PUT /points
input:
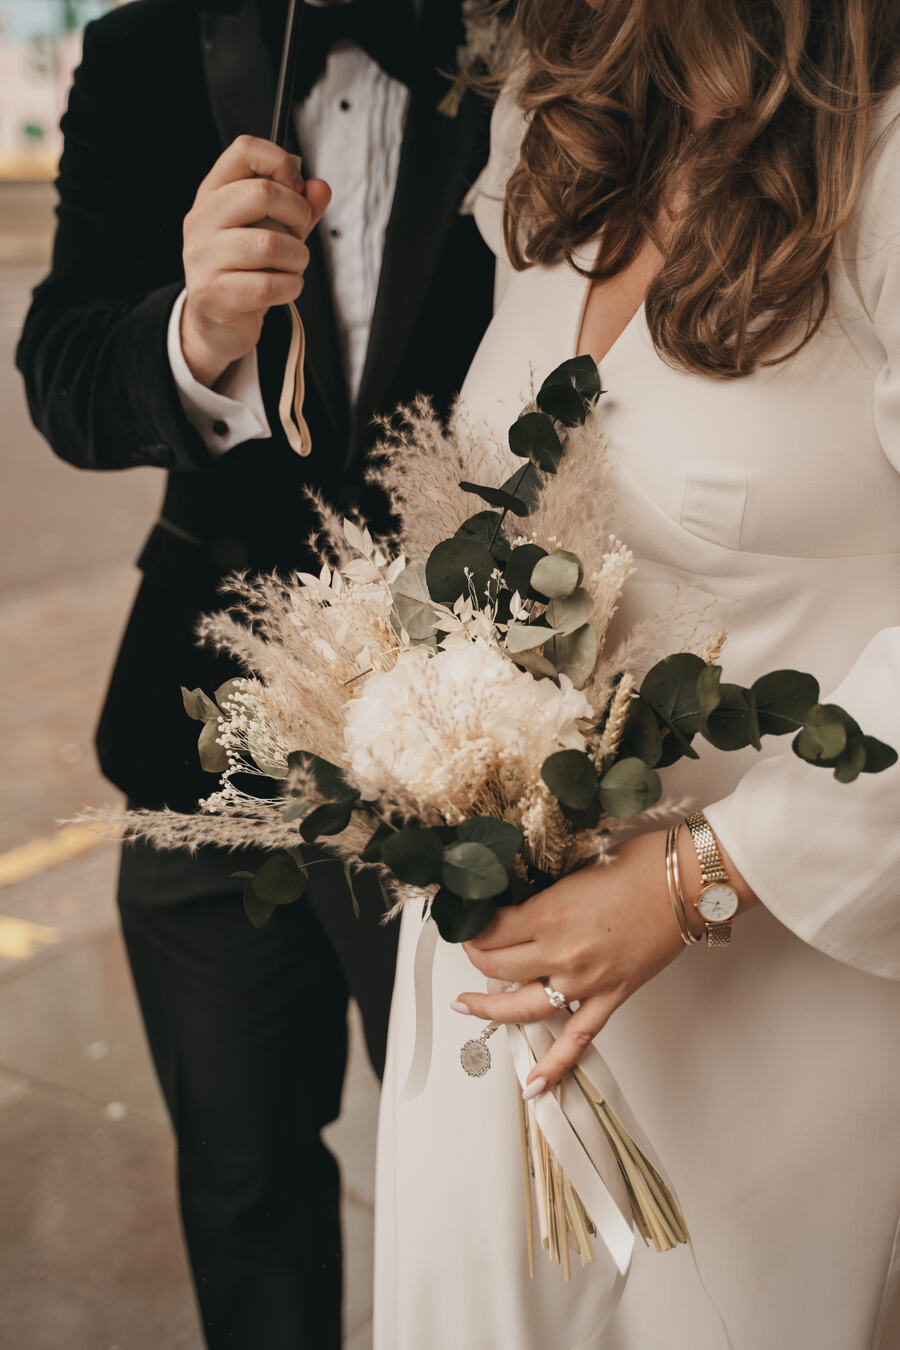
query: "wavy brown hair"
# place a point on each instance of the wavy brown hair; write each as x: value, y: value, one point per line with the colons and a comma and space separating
x: 770, y: 181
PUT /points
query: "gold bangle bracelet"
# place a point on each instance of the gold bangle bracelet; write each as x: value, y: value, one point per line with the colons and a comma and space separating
x: 673, y: 881
x: 686, y: 927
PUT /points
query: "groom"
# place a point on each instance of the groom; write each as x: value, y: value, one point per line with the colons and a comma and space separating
x: 128, y: 362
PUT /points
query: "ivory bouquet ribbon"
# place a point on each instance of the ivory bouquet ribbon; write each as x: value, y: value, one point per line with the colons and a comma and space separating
x: 569, y: 1125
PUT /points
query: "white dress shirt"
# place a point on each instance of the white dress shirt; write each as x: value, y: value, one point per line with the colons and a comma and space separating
x: 351, y: 130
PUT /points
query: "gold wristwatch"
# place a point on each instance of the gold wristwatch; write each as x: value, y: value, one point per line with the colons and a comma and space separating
x: 717, y: 902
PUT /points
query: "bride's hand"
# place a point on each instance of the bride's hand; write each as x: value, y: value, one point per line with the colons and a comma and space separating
x: 597, y: 936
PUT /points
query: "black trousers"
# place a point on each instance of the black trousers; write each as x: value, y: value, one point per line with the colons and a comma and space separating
x: 247, y: 1028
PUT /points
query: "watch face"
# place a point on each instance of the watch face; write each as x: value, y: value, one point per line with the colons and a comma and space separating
x: 718, y: 903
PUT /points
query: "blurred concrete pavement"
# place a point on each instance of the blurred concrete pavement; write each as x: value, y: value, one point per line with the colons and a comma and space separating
x: 90, y: 1245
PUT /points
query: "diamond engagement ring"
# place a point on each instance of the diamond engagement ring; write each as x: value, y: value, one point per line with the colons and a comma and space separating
x: 554, y: 997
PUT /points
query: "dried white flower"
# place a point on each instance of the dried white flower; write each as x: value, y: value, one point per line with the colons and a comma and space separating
x: 462, y: 713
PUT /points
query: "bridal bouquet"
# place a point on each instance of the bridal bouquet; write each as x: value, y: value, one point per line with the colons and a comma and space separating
x: 448, y: 708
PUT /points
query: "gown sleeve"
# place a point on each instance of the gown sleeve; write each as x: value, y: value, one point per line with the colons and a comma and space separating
x: 822, y: 856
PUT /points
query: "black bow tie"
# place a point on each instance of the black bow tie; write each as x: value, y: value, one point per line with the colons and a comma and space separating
x: 385, y: 31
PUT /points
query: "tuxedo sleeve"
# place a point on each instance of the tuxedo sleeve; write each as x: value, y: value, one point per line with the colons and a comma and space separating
x: 823, y: 856
x: 93, y: 349
x: 231, y: 413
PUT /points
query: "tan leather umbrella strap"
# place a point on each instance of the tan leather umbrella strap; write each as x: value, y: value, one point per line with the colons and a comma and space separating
x: 290, y: 405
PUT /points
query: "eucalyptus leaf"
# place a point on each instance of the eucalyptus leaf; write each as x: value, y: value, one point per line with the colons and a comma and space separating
x: 851, y: 762
x: 458, y: 920
x: 213, y: 757
x: 328, y: 778
x: 199, y: 706
x: 525, y: 484
x: 670, y: 687
x: 448, y: 565
x: 536, y: 664
x: 878, y: 755
x: 571, y: 777
x: 327, y: 819
x: 628, y: 788
x: 279, y: 881
x: 519, y: 567
x: 823, y: 735
x: 725, y: 711
x: 588, y: 819
x: 502, y: 838
x: 507, y: 501
x: 412, y: 602
x: 473, y: 871
x: 575, y: 654
x: 708, y: 696
x: 257, y: 911
x: 372, y: 851
x: 582, y: 372
x: 642, y: 736
x: 571, y: 611
x: 560, y: 397
x: 267, y: 766
x: 225, y: 691
x: 525, y: 637
x: 414, y: 855
x: 783, y: 698
x: 731, y: 725
x: 533, y: 436
x: 484, y: 526
x: 557, y: 575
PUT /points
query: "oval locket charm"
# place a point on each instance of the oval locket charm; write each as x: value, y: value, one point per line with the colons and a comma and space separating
x: 475, y: 1057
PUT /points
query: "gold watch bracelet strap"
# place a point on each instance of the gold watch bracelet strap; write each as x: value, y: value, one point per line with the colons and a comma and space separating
x: 712, y: 870
x: 711, y: 866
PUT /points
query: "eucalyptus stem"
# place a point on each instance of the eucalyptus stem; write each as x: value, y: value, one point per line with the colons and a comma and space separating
x: 516, y: 484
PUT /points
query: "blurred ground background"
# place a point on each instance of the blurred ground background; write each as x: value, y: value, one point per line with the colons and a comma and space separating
x: 91, y: 1255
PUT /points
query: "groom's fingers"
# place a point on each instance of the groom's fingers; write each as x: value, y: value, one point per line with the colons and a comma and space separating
x: 253, y: 157
x: 581, y: 1028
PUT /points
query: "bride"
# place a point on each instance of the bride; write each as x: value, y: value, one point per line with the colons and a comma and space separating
x: 704, y: 197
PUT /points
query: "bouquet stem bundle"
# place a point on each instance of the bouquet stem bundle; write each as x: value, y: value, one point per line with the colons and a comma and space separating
x: 563, y: 1223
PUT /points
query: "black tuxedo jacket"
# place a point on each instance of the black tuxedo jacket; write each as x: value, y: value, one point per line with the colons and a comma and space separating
x: 163, y: 87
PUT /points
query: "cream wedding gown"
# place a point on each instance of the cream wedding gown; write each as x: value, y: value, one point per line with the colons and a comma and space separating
x: 766, y: 1075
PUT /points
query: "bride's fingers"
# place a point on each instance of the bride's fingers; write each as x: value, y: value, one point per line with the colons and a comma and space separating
x: 511, y: 925
x: 528, y: 1004
x: 515, y: 965
x: 581, y: 1028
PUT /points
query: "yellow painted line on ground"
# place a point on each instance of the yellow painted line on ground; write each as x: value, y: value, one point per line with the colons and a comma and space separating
x: 69, y: 841
x: 20, y: 939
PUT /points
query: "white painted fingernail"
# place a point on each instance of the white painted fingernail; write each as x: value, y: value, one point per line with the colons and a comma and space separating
x: 461, y: 1008
x: 534, y: 1089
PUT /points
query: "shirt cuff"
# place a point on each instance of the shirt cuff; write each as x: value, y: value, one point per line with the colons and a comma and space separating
x: 231, y: 413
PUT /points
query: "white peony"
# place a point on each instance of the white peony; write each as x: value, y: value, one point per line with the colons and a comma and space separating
x: 439, y: 724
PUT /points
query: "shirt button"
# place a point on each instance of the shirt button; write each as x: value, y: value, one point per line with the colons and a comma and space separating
x: 344, y: 105
x: 334, y: 232
x: 219, y: 427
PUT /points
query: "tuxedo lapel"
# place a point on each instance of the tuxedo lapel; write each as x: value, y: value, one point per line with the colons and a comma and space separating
x: 238, y: 70
x: 241, y: 86
x: 435, y: 162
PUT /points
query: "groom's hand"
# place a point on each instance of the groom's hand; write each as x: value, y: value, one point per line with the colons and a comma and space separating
x: 244, y: 251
